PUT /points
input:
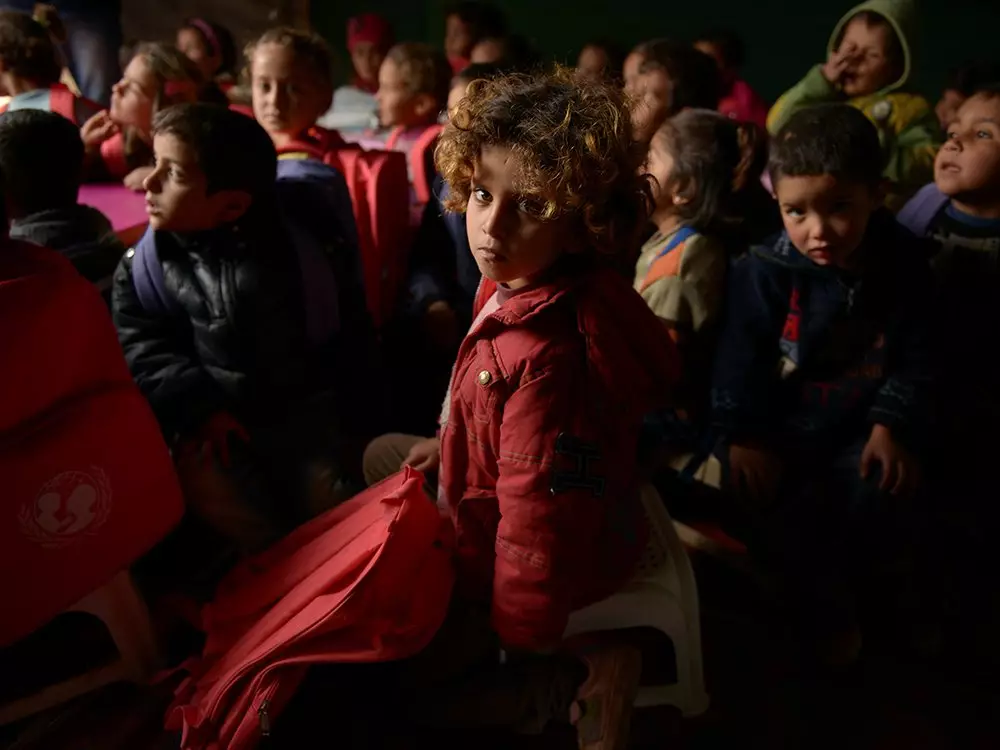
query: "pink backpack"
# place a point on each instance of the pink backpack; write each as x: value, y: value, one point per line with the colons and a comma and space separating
x: 368, y: 581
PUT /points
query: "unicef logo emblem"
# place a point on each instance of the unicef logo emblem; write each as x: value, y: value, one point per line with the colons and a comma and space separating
x: 68, y: 506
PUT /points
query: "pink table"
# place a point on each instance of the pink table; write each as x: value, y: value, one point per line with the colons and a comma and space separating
x: 125, y: 208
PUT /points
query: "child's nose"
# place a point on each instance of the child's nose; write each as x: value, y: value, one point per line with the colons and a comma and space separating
x: 152, y: 182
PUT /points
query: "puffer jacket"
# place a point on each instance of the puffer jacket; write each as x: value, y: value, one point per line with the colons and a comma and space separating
x: 538, y: 453
x: 237, y: 342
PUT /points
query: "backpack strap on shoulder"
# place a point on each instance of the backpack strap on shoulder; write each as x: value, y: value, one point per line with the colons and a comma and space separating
x: 147, y: 278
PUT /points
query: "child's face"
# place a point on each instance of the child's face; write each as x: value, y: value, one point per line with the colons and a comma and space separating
x: 968, y: 165
x: 457, y: 37
x: 630, y: 73
x: 176, y: 192
x: 512, y: 245
x: 871, y: 69
x: 288, y: 96
x: 487, y: 51
x: 133, y: 96
x: 659, y: 166
x: 592, y: 63
x: 456, y: 94
x: 367, y: 58
x: 397, y: 105
x: 652, y: 109
x: 192, y: 45
x: 826, y: 218
x: 947, y: 107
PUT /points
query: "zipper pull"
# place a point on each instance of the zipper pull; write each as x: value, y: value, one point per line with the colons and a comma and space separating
x: 264, y: 719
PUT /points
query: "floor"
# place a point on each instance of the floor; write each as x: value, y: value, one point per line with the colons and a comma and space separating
x: 760, y: 693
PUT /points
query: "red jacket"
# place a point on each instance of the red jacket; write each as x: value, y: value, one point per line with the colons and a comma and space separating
x: 539, y: 465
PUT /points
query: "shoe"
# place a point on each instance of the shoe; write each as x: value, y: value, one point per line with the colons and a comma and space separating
x: 603, y: 707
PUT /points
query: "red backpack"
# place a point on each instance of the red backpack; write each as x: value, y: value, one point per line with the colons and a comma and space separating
x: 418, y: 158
x: 63, y: 102
x: 368, y: 581
x: 380, y: 196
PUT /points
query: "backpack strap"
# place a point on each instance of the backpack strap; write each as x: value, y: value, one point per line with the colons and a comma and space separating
x: 147, y: 278
x: 62, y: 101
x: 419, y: 161
x: 922, y: 208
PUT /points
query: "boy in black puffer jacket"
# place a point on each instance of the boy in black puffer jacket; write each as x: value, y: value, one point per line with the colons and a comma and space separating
x: 41, y: 158
x: 233, y: 326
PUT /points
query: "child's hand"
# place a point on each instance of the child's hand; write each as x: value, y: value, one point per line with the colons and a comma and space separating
x: 215, y: 434
x: 755, y: 473
x: 900, y: 472
x: 425, y: 456
x: 135, y: 179
x: 97, y: 130
x: 838, y: 62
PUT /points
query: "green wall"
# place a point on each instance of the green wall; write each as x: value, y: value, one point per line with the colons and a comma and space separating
x: 783, y: 37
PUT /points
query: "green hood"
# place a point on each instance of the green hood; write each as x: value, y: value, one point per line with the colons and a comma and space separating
x: 902, y: 16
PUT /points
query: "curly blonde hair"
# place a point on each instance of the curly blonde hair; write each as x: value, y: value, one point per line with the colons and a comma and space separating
x: 574, y: 144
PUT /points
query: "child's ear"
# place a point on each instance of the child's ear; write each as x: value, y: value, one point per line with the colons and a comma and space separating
x: 233, y: 204
x: 424, y: 106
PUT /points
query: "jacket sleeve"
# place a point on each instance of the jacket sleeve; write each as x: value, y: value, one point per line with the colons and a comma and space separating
x: 904, y: 402
x: 160, y: 354
x: 911, y: 157
x: 745, y: 382
x: 544, y: 538
x: 813, y: 89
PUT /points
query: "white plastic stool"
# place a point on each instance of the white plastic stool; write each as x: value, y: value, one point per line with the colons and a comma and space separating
x: 662, y: 596
x: 121, y: 608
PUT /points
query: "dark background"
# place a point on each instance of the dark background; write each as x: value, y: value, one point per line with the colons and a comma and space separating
x: 783, y: 37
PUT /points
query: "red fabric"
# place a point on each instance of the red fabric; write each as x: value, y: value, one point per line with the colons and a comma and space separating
x: 113, y: 156
x: 418, y: 157
x: 582, y: 356
x: 742, y: 103
x: 368, y: 581
x: 62, y: 101
x: 88, y: 482
x: 458, y: 64
x: 369, y: 27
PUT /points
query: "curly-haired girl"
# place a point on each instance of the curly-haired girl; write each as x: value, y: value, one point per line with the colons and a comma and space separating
x: 536, y: 457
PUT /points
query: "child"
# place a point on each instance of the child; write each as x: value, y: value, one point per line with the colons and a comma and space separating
x: 513, y: 51
x: 821, y: 380
x: 466, y: 23
x: 413, y: 91
x: 632, y: 67
x: 41, y: 160
x: 119, y: 141
x: 671, y: 78
x: 369, y: 38
x: 702, y: 166
x: 960, y: 214
x: 870, y: 59
x: 215, y: 310
x: 210, y: 47
x: 30, y: 66
x: 291, y: 74
x: 739, y: 101
x: 537, y: 455
x: 962, y: 83
x: 601, y: 59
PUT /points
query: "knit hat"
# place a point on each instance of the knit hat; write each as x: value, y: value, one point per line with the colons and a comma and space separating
x: 369, y: 27
x: 902, y: 17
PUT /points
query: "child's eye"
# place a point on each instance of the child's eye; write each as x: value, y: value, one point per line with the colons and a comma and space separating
x: 533, y: 208
x: 983, y: 134
x: 951, y: 135
x: 796, y: 213
x: 481, y: 195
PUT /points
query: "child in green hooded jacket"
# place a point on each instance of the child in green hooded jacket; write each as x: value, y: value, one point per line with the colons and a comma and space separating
x: 870, y: 59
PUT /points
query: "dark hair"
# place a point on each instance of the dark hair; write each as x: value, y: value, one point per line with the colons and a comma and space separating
x: 41, y: 160
x: 871, y: 19
x: 233, y: 150
x: 519, y: 55
x: 477, y: 72
x: 575, y: 149
x: 730, y: 44
x: 485, y: 21
x: 833, y: 139
x: 613, y: 51
x: 971, y: 77
x: 221, y: 40
x: 424, y: 68
x: 305, y: 45
x: 715, y: 160
x: 693, y: 74
x: 28, y: 47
